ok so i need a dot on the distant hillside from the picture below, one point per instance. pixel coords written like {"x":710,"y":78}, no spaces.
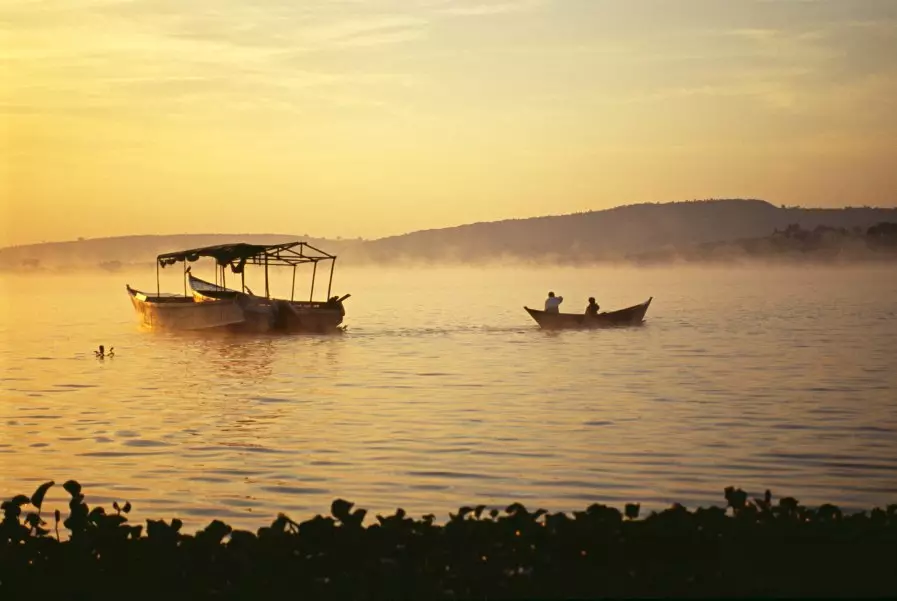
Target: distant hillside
{"x":615,"y":234}
{"x":793,"y":244}
{"x":631,"y":232}
{"x":113,"y":253}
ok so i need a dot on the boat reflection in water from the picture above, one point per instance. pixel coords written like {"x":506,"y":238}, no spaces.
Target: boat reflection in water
{"x":214,"y":306}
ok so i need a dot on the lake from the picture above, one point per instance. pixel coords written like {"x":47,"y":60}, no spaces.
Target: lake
{"x":443,"y":392}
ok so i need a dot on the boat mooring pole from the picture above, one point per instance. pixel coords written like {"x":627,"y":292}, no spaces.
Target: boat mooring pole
{"x":158,"y":290}
{"x":314,"y":274}
{"x":293,"y":292}
{"x":267,"y":294}
{"x":330,"y":284}
{"x":185,"y":278}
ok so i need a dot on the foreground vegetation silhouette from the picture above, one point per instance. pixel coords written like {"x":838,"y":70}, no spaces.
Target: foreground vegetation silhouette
{"x":749,"y":548}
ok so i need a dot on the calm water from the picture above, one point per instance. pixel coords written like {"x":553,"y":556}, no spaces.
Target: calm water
{"x":444,"y":393}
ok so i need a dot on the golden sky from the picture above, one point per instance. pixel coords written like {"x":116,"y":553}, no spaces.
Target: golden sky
{"x":373,"y":117}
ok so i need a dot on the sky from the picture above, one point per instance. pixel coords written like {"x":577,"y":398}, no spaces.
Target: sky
{"x":375,"y":117}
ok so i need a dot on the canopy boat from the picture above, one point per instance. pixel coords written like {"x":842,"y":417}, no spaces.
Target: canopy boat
{"x":634,"y":315}
{"x":265,"y":313}
{"x":174,"y":312}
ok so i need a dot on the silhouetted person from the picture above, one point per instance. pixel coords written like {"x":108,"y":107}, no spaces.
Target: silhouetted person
{"x":553,"y":303}
{"x":592,"y":309}
{"x":101,"y":354}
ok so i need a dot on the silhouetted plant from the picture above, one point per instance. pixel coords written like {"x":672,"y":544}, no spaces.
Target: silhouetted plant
{"x":760,"y":549}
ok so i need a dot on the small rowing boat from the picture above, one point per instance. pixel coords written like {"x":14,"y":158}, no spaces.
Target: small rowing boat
{"x":629,"y":316}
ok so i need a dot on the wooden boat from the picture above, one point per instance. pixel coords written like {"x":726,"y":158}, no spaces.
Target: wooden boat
{"x":634,"y":315}
{"x":264,"y":313}
{"x":174,"y":312}
{"x":257,"y":311}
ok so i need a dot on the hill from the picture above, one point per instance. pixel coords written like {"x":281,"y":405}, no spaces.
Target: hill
{"x":822,"y":244}
{"x":615,"y":234}
{"x":633,"y":232}
{"x":116,"y":252}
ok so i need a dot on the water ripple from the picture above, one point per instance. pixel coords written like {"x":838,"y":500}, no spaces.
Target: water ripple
{"x":447,"y":394}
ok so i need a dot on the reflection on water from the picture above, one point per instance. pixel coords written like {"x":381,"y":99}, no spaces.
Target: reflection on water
{"x":248,"y":360}
{"x":443,"y":392}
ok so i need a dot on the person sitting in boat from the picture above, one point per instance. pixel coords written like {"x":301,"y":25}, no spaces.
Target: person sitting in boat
{"x":553,"y":303}
{"x":592,"y":309}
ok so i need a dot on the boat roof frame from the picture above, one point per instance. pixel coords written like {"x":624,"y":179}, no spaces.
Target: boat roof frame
{"x":240,"y":254}
{"x":288,"y":254}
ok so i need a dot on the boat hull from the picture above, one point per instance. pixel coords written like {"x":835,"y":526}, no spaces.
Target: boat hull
{"x":183,"y":313}
{"x":630,"y":316}
{"x":263,"y":314}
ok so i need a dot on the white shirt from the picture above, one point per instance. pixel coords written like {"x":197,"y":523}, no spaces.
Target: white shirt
{"x":552,"y":303}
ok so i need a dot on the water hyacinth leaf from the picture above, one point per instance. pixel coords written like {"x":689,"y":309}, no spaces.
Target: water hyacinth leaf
{"x":127,"y":507}
{"x":241,"y":537}
{"x":279,"y":524}
{"x":516,"y":508}
{"x":114,"y":520}
{"x":340,"y":509}
{"x":11,"y":511}
{"x":37,"y":499}
{"x":20,"y":500}
{"x":216,"y":531}
{"x":72,"y":487}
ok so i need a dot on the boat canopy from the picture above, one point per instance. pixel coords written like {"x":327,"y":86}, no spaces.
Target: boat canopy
{"x":289,"y":254}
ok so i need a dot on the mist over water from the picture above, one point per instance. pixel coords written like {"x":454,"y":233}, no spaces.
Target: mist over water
{"x":444,"y":392}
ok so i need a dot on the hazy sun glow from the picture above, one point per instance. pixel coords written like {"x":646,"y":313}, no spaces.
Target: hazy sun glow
{"x":367,"y":118}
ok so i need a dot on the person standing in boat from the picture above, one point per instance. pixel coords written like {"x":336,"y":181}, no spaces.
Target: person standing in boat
{"x":592,"y":309}
{"x":553,"y":303}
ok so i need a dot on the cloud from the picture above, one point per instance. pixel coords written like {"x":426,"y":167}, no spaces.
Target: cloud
{"x":476,"y":9}
{"x":115,"y":59}
{"x":342,"y":32}
{"x":170,"y":57}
